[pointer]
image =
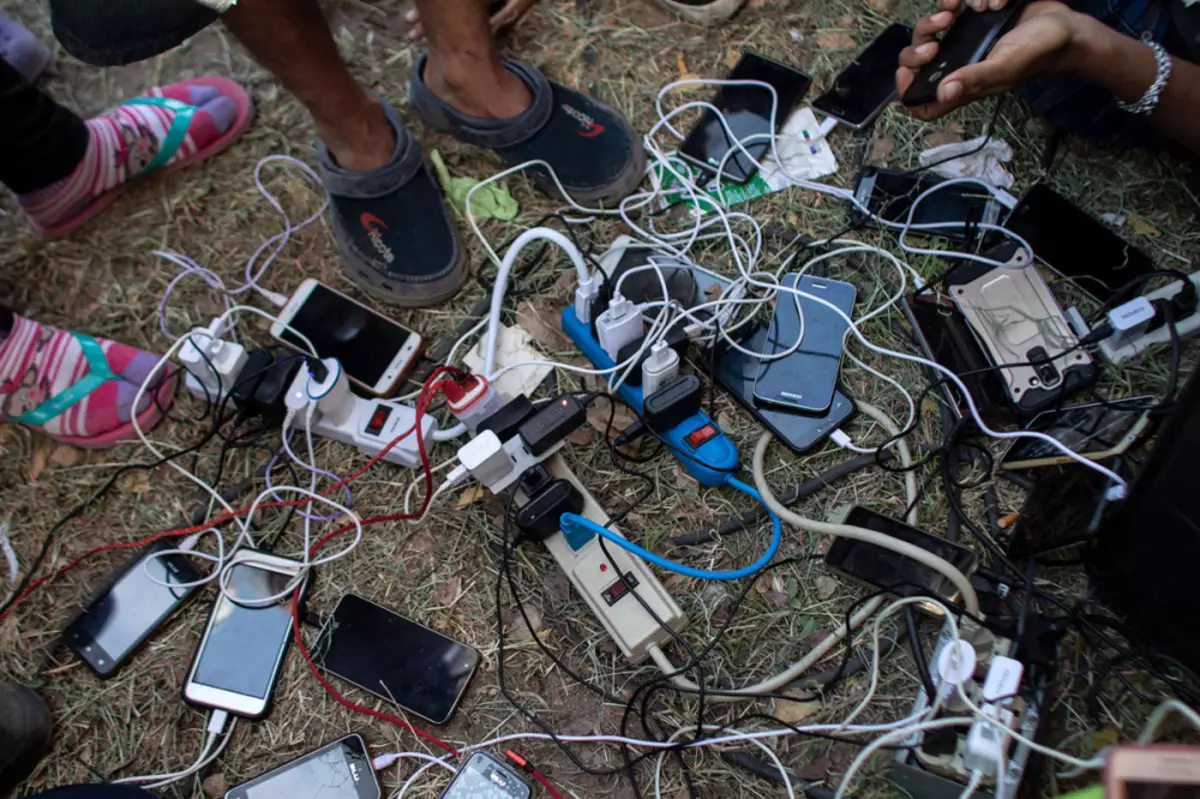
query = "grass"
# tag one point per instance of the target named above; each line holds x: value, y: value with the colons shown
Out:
x: 103, y: 281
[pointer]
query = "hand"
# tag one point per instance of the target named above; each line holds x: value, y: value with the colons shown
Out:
x: 501, y: 20
x: 1041, y: 43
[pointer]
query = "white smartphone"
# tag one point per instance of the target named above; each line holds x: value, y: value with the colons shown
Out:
x: 238, y: 658
x: 1153, y: 772
x: 375, y: 351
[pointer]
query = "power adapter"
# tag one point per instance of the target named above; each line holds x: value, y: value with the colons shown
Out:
x: 538, y: 519
x: 673, y: 403
x: 269, y: 372
x: 660, y: 368
x: 508, y: 419
x: 620, y: 324
x: 675, y: 338
x: 553, y: 423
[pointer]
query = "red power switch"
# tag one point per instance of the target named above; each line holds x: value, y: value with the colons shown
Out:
x: 378, y: 419
x: 702, y: 435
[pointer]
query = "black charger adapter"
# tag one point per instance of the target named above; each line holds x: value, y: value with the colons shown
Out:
x: 538, y: 519
x: 555, y: 421
x: 673, y: 403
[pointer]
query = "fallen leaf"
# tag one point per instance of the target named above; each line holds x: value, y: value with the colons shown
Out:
x: 597, y: 416
x: 835, y: 40
x: 682, y: 65
x: 794, y: 712
x: 38, y: 464
x: 447, y: 591
x: 558, y: 586
x: 469, y: 497
x: 684, y: 481
x: 826, y: 586
x: 521, y: 631
x: 582, y: 436
x: 537, y: 316
x: 942, y: 136
x: 137, y: 482
x: 815, y: 770
x: 64, y: 455
x: 1102, y: 738
x: 1142, y: 227
x: 732, y: 57
x: 215, y: 785
x: 884, y: 7
x: 770, y: 589
x: 881, y: 149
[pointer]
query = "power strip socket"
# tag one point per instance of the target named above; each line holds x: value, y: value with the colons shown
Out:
x: 1186, y: 328
x: 608, y: 590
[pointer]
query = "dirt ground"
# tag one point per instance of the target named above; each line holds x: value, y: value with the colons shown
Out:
x: 104, y: 281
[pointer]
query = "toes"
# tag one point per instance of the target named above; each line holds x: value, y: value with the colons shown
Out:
x: 199, y: 95
x: 223, y: 112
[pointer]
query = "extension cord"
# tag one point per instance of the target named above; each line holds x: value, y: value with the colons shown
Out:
x: 588, y: 568
x: 1186, y: 328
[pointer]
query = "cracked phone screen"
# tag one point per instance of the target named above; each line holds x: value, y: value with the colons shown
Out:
x: 322, y: 775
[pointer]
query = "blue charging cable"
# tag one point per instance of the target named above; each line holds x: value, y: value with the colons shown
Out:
x: 579, y: 530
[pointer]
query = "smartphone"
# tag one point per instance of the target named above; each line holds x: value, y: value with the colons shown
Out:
x: 485, y: 777
x: 807, y: 379
x: 868, y: 84
x: 395, y: 658
x: 340, y: 770
x: 375, y: 351
x: 747, y: 111
x: 889, y: 194
x: 130, y: 608
x: 1152, y: 772
x: 884, y: 569
x: 944, y: 335
x: 1064, y: 509
x: 1076, y: 245
x: 736, y: 372
x: 968, y: 41
x: 1097, y: 431
x: 239, y: 656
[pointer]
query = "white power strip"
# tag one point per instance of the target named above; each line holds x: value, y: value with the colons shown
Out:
x: 1186, y: 328
x: 609, y: 593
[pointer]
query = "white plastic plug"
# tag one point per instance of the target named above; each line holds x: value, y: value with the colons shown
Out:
x: 585, y: 293
x: 474, y: 400
x: 485, y: 458
x: 212, y: 364
x: 332, y: 395
x: 620, y: 324
x: 660, y: 368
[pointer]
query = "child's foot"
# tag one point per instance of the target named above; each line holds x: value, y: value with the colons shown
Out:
x: 169, y: 127
x: 77, y: 389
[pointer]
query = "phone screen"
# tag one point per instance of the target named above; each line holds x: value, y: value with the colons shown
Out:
x: 889, y: 195
x: 483, y: 777
x: 1075, y: 245
x: 747, y: 111
x: 948, y: 339
x: 806, y: 379
x: 967, y: 42
x: 341, y: 770
x: 865, y: 87
x: 363, y: 341
x: 737, y: 372
x: 1086, y: 429
x: 885, y: 569
x: 396, y: 659
x: 243, y: 645
x: 132, y: 608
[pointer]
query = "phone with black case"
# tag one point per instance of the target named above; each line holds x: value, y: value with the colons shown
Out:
x: 968, y: 41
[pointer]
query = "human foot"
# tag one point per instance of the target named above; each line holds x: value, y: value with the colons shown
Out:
x: 479, y: 91
x: 363, y: 140
x: 594, y: 152
x: 391, y: 226
x: 169, y: 127
x: 75, y: 388
x: 22, y: 50
x: 502, y: 15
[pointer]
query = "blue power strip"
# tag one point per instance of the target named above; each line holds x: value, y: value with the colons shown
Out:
x: 699, y: 444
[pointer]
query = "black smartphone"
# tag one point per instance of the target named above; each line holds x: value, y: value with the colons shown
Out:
x: 889, y: 195
x: 864, y: 88
x: 945, y: 336
x: 1076, y: 245
x: 120, y: 618
x: 806, y: 379
x: 395, y: 658
x: 747, y: 111
x: 1098, y: 431
x: 340, y: 770
x: 736, y: 372
x: 884, y: 569
x: 968, y: 41
x: 485, y: 777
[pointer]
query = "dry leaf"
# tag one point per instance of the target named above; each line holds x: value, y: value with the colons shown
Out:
x: 215, y: 785
x: 469, y: 497
x: 1142, y: 227
x: 582, y: 436
x: 943, y: 136
x: 445, y: 593
x: 826, y: 586
x: 883, y: 7
x: 597, y: 416
x: 835, y: 40
x: 38, y: 465
x: 538, y: 316
x: 770, y: 589
x: 881, y: 150
x: 732, y: 57
x: 795, y: 712
x: 64, y: 455
x: 815, y: 769
x: 558, y: 586
x: 520, y: 630
x: 681, y: 64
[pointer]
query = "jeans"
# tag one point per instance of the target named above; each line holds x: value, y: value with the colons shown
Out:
x: 40, y: 141
x: 110, y: 33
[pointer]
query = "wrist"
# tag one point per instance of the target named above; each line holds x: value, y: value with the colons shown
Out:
x: 1090, y: 48
x: 1122, y: 64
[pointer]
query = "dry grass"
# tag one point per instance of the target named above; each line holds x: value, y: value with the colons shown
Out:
x: 103, y: 281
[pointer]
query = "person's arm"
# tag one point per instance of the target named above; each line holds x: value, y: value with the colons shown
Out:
x: 1048, y: 40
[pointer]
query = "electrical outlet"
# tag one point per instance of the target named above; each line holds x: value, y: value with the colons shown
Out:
x: 1131, y: 346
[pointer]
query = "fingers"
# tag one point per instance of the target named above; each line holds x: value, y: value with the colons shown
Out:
x: 987, y: 5
x: 917, y: 57
x: 976, y: 81
x: 416, y: 31
x: 904, y: 81
x: 929, y: 28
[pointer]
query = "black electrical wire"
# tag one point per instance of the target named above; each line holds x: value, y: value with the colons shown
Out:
x: 918, y: 651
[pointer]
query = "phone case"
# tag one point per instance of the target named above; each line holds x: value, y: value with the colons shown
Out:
x: 485, y: 777
x: 968, y: 41
x: 1017, y: 320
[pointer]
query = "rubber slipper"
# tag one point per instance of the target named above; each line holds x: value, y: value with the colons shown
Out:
x: 593, y: 150
x: 704, y: 12
x: 168, y: 147
x: 22, y: 50
x: 391, y: 226
x: 154, y: 413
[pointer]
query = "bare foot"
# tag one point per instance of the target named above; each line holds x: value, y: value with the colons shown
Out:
x: 362, y: 141
x: 505, y: 14
x: 484, y: 92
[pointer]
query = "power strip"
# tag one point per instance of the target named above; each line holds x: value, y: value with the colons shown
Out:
x: 608, y: 590
x: 1186, y: 328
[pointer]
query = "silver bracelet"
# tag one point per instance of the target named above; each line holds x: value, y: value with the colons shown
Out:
x: 1145, y: 106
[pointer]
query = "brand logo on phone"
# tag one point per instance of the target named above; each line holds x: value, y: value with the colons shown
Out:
x: 354, y: 772
x: 375, y: 227
x: 588, y: 127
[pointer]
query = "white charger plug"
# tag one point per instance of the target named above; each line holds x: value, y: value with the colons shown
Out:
x: 660, y: 368
x: 620, y: 324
